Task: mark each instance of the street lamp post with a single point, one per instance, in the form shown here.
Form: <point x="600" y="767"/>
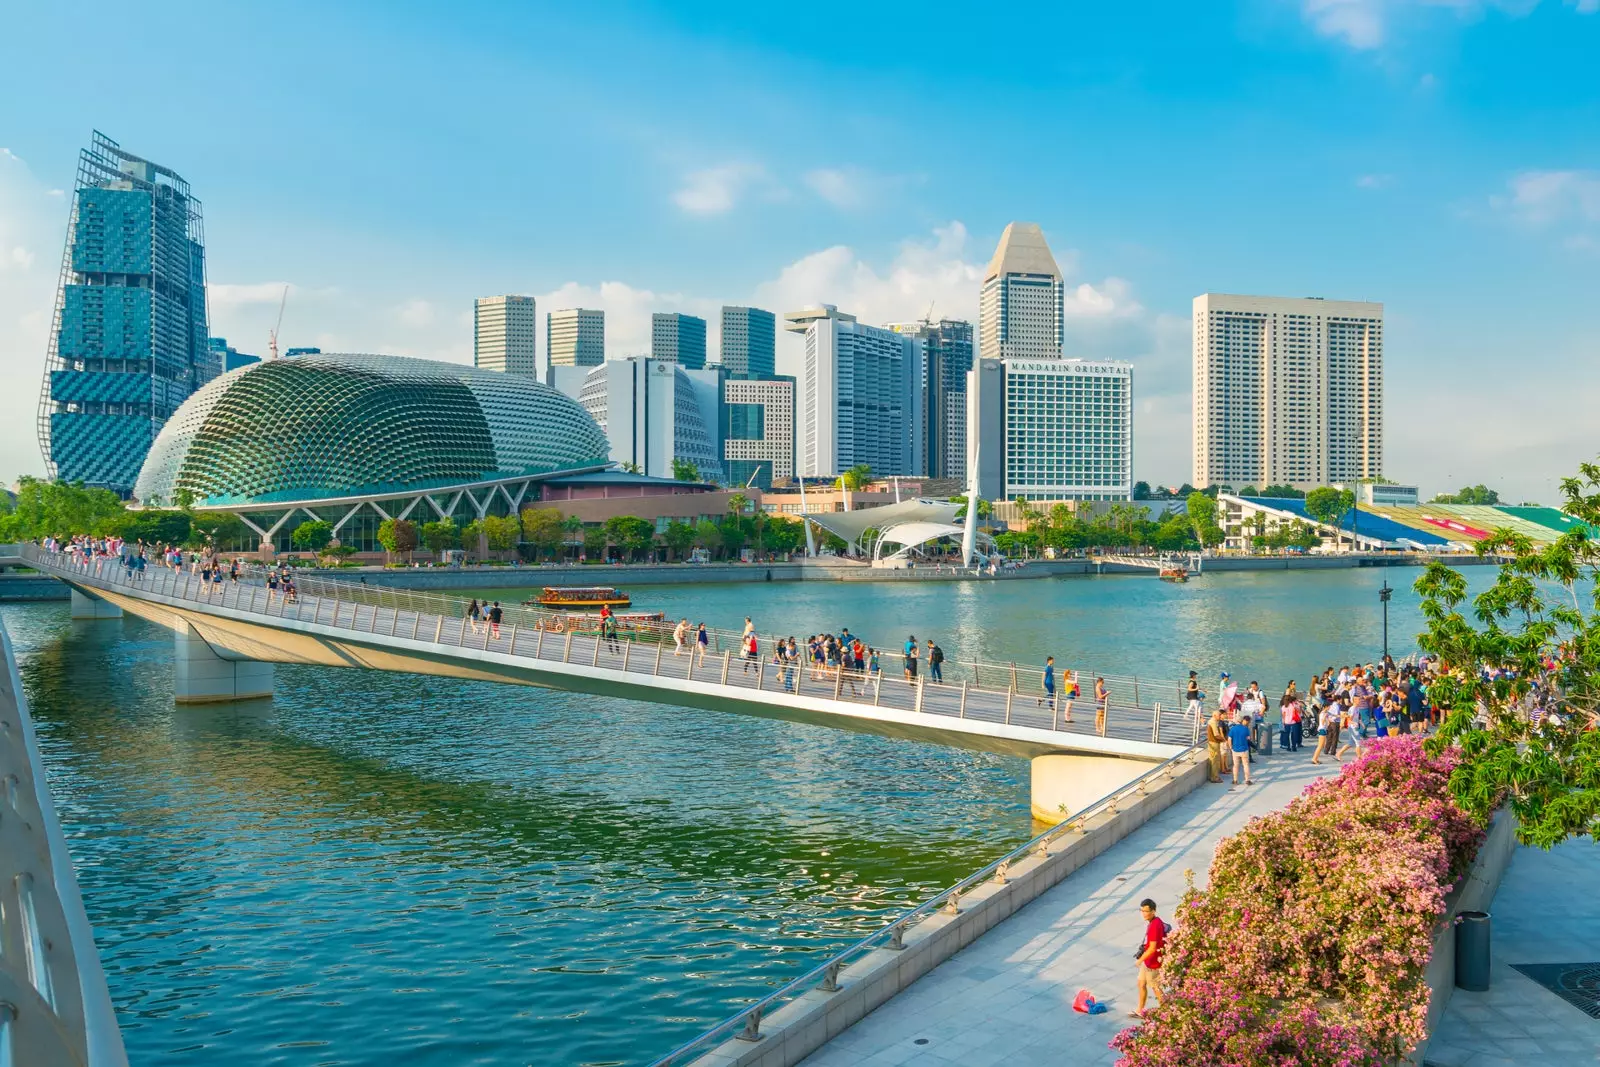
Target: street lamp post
<point x="1383" y="596"/>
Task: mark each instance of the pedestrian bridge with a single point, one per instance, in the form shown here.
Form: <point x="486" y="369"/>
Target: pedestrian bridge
<point x="228" y="635"/>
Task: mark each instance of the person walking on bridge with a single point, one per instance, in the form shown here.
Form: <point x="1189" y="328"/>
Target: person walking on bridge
<point x="680" y="633"/>
<point x="910" y="657"/>
<point x="935" y="662"/>
<point x="1048" y="682"/>
<point x="1193" y="695"/>
<point x="1216" y="737"/>
<point x="496" y="613"/>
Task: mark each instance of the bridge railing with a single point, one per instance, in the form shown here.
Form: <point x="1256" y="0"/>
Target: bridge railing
<point x="824" y="977"/>
<point x="54" y="1004"/>
<point x="1133" y="708"/>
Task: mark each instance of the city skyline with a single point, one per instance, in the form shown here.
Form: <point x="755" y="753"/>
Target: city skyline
<point x="1472" y="184"/>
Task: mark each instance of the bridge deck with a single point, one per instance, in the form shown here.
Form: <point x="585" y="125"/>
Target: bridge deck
<point x="245" y="620"/>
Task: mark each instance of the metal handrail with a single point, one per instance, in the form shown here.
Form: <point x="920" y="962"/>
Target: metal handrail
<point x="747" y="1021"/>
<point x="55" y="1006"/>
<point x="1125" y="691"/>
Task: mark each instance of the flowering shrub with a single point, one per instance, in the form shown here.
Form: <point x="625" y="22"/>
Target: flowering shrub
<point x="1319" y="919"/>
<point x="1212" y="1024"/>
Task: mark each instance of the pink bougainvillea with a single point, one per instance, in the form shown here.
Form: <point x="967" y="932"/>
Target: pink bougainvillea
<point x="1317" y="924"/>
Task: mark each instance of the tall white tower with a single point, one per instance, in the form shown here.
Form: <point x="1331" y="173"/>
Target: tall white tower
<point x="1020" y="307"/>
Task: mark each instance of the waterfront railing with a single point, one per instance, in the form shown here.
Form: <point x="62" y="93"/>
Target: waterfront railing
<point x="55" y="1007"/>
<point x="745" y="1024"/>
<point x="1002" y="693"/>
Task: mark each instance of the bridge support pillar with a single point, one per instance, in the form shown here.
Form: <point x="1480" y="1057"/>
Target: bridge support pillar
<point x="1065" y="784"/>
<point x="201" y="676"/>
<point x="89" y="607"/>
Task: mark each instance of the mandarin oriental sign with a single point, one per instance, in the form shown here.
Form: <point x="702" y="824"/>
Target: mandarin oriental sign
<point x="1068" y="366"/>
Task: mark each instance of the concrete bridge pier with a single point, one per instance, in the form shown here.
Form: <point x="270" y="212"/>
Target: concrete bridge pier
<point x="1064" y="783"/>
<point x="201" y="675"/>
<point x="85" y="606"/>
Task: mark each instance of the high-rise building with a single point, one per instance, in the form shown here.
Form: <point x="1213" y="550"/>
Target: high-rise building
<point x="228" y="357"/>
<point x="943" y="394"/>
<point x="505" y="331"/>
<point x="1021" y="304"/>
<point x="653" y="411"/>
<point x="759" y="448"/>
<point x="1053" y="429"/>
<point x="679" y="338"/>
<point x="575" y="337"/>
<point x="859" y="395"/>
<point x="1287" y="391"/>
<point x="749" y="342"/>
<point x="301" y="352"/>
<point x="129" y="342"/>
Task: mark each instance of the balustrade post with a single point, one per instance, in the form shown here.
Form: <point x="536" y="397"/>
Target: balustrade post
<point x="726" y="663"/>
<point x="438" y="632"/>
<point x="963" y="713"/>
<point x="1136" y="690"/>
<point x="656" y="673"/>
<point x="922" y="687"/>
<point x="566" y="651"/>
<point x="760" y="665"/>
<point x="596" y="661"/>
<point x="513" y="649"/>
<point x="838" y="681"/>
<point x="1009" y="694"/>
<point x="1155" y="725"/>
<point x="627" y="653"/>
<point x="416" y="624"/>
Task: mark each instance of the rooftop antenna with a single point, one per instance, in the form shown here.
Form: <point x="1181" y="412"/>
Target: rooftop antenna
<point x="272" y="337"/>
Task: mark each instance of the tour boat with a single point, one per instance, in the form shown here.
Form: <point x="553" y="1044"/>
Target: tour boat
<point x="1174" y="572"/>
<point x="568" y="596"/>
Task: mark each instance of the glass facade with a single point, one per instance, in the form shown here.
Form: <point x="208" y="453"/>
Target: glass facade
<point x="129" y="343"/>
<point x="749" y="342"/>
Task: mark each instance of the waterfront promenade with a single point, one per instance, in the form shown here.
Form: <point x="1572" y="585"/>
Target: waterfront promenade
<point x="1007" y="998"/>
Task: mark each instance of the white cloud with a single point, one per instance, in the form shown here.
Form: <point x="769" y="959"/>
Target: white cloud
<point x="1368" y="24"/>
<point x="718" y="190"/>
<point x="1543" y="197"/>
<point x="227" y="296"/>
<point x="841" y="187"/>
<point x="628" y="310"/>
<point x="415" y="313"/>
<point x="1374" y="181"/>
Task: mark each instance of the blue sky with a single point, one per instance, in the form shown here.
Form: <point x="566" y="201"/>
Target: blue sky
<point x="389" y="162"/>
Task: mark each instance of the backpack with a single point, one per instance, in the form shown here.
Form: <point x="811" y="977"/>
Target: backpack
<point x="937" y="655"/>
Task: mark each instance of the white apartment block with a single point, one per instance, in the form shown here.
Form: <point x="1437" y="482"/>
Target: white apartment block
<point x="1287" y="391"/>
<point x="760" y="441"/>
<point x="575" y="337"/>
<point x="859" y="396"/>
<point x="652" y="411"/>
<point x="1065" y="427"/>
<point x="505" y="332"/>
<point x="1021" y="304"/>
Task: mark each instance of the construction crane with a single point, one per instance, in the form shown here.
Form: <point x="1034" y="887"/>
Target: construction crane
<point x="272" y="337"/>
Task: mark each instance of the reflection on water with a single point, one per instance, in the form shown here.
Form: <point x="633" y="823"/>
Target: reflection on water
<point x="383" y="868"/>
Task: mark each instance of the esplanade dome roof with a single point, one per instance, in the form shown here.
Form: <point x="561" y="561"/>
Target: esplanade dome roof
<point x="321" y="427"/>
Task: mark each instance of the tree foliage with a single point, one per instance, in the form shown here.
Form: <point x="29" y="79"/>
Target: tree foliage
<point x="1471" y="494"/>
<point x="312" y="535"/>
<point x="685" y="471"/>
<point x="1520" y="674"/>
<point x="1201" y="509"/>
<point x="631" y="534"/>
<point x="398" y="536"/>
<point x="502" y="532"/>
<point x="678" y="537"/>
<point x="61" y="509"/>
<point x="856" y="477"/>
<point x="441" y="535"/>
<point x="544" y="529"/>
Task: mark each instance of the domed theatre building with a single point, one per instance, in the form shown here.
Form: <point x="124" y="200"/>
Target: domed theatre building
<point x="357" y="439"/>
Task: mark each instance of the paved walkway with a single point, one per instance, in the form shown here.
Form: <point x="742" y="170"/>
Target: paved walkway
<point x="1546" y="912"/>
<point x="1008" y="996"/>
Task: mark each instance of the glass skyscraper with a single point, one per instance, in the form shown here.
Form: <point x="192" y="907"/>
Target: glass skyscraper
<point x="129" y="342"/>
<point x="749" y="342"/>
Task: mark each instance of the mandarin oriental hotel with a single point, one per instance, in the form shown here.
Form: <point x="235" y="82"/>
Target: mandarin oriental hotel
<point x="1066" y="424"/>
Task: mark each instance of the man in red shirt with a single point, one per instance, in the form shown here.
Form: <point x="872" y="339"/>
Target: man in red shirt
<point x="1155" y="939"/>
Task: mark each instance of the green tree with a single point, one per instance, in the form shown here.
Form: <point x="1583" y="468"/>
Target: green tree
<point x="1202" y="512"/>
<point x="1329" y="505"/>
<point x="1141" y="490"/>
<point x="1547" y="768"/>
<point x="685" y="471"/>
<point x="856" y="477"/>
<point x="220" y="529"/>
<point x="473" y="538"/>
<point x="1282" y="492"/>
<point x="594" y="541"/>
<point x="441" y="535"/>
<point x="631" y="534"/>
<point x="167" y="527"/>
<point x="502" y="532"/>
<point x="782" y="534"/>
<point x="397" y="536"/>
<point x="708" y="535"/>
<point x="738" y="504"/>
<point x="678" y="537"/>
<point x="632" y="468"/>
<point x="1471" y="494"/>
<point x="312" y="535"/>
<point x="61" y="509"/>
<point x="544" y="529"/>
<point x="985" y="509"/>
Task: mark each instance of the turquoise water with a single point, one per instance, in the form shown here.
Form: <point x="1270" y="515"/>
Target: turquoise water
<point x="373" y="868"/>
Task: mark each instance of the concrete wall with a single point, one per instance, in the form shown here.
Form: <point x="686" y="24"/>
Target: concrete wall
<point x="1475" y="893"/>
<point x="801" y="1027"/>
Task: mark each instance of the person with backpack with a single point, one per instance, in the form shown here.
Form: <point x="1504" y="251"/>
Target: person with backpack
<point x="935" y="662"/>
<point x="1156" y="930"/>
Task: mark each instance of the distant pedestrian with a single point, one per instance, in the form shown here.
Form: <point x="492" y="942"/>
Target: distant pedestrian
<point x="1102" y="702"/>
<point x="752" y="653"/>
<point x="1239" y="747"/>
<point x="1150" y="951"/>
<point x="702" y="641"/>
<point x="680" y="634"/>
<point x="935" y="662"/>
<point x="1070" y="691"/>
<point x="475" y="615"/>
<point x="909" y="654"/>
<point x="1193" y="695"/>
<point x="1216" y="739"/>
<point x="496" y="613"/>
<point x="1049" y="684"/>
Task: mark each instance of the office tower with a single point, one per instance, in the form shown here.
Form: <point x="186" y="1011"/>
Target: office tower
<point x="575" y="337"/>
<point x="1052" y="429"/>
<point x="228" y="357"/>
<point x="749" y="342"/>
<point x="943" y="394"/>
<point x="1287" y="391"/>
<point x="859" y="396"/>
<point x="652" y="411"/>
<point x="1020" y="306"/>
<point x="679" y="338"/>
<point x="505" y="332"/>
<point x="760" y="443"/>
<point x="129" y="339"/>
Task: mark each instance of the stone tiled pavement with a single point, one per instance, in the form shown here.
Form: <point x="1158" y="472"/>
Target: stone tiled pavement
<point x="1547" y="911"/>
<point x="1007" y="998"/>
